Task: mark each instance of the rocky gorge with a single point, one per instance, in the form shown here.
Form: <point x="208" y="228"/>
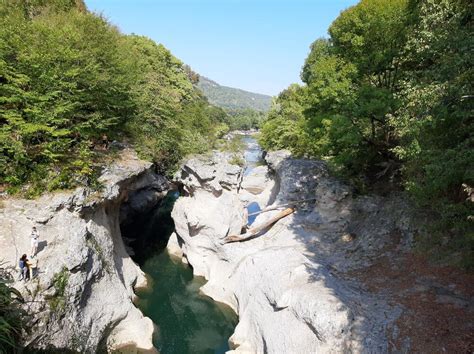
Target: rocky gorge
<point x="289" y="286"/>
<point x="299" y="286"/>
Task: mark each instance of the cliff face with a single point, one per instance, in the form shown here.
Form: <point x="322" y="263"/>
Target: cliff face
<point x="82" y="295"/>
<point x="291" y="286"/>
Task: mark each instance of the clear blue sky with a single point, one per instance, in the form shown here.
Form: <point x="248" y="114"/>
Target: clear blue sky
<point x="256" y="45"/>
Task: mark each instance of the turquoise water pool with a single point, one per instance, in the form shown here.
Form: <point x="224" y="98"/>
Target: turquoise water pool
<point x="186" y="321"/>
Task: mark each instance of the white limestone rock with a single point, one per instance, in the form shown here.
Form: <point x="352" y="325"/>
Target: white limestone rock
<point x="287" y="285"/>
<point x="80" y="240"/>
<point x="258" y="187"/>
<point x="173" y="246"/>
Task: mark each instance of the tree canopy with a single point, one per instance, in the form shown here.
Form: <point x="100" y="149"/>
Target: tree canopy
<point x="68" y="77"/>
<point x="388" y="99"/>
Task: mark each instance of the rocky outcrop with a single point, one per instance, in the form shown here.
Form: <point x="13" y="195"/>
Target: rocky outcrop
<point x="82" y="296"/>
<point x="258" y="186"/>
<point x="290" y="286"/>
<point x="210" y="211"/>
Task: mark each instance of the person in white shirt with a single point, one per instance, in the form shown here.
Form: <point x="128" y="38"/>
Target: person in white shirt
<point x="34" y="241"/>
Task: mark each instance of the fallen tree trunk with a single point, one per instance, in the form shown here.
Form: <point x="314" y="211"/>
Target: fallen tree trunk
<point x="267" y="209"/>
<point x="252" y="232"/>
<point x="275" y="207"/>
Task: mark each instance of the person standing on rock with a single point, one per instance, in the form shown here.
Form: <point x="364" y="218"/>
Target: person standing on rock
<point x="23" y="267"/>
<point x="105" y="141"/>
<point x="34" y="241"/>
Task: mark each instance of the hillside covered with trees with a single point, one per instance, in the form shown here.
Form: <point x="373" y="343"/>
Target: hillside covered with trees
<point x="68" y="78"/>
<point x="388" y="98"/>
<point x="246" y="109"/>
<point x="232" y="98"/>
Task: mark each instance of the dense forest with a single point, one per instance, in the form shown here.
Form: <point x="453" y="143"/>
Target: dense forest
<point x="68" y="78"/>
<point x="388" y="99"/>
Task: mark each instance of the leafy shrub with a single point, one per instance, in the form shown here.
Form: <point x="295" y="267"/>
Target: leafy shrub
<point x="11" y="314"/>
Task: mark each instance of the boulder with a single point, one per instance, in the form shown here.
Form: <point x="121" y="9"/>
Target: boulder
<point x="173" y="246"/>
<point x="256" y="181"/>
<point x="212" y="173"/>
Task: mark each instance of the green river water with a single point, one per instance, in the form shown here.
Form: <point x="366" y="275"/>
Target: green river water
<point x="186" y="321"/>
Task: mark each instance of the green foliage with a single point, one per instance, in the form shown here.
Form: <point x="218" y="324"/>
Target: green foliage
<point x="286" y="126"/>
<point x="388" y="98"/>
<point x="371" y="35"/>
<point x="435" y="123"/>
<point x="68" y="77"/>
<point x="64" y="83"/>
<point x="57" y="302"/>
<point x="245" y="119"/>
<point x="11" y="314"/>
<point x="233" y="99"/>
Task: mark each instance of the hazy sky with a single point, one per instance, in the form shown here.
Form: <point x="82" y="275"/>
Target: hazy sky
<point x="256" y="45"/>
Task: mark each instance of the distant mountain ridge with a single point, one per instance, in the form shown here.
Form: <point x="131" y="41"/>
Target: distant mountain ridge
<point x="233" y="99"/>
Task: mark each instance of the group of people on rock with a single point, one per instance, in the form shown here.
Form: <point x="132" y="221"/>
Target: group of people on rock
<point x="26" y="266"/>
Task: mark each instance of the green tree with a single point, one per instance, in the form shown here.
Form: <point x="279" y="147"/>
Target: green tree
<point x="285" y="126"/>
<point x="391" y="91"/>
<point x="435" y="122"/>
<point x="64" y="82"/>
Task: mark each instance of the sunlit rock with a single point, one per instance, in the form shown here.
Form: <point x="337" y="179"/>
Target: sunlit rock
<point x="287" y="284"/>
<point x="81" y="247"/>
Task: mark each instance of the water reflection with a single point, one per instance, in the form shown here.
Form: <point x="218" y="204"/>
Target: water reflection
<point x="252" y="208"/>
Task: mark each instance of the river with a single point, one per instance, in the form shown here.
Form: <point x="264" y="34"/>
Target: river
<point x="187" y="321"/>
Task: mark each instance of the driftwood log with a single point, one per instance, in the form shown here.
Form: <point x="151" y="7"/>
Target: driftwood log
<point x="252" y="232"/>
<point x="275" y="207"/>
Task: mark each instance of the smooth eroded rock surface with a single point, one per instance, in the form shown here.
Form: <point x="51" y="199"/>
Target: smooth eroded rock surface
<point x="289" y="285"/>
<point x="80" y="242"/>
